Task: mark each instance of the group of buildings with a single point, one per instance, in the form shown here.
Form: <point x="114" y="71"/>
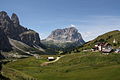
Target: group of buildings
<point x="105" y="47"/>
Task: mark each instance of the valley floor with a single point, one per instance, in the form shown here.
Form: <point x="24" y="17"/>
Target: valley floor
<point x="81" y="66"/>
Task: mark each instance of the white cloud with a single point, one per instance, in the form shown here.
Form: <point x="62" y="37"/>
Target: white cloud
<point x="98" y="25"/>
<point x="42" y="35"/>
<point x="72" y="25"/>
<point x="87" y="34"/>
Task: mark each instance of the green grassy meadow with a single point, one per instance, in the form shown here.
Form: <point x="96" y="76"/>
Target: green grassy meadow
<point x="78" y="66"/>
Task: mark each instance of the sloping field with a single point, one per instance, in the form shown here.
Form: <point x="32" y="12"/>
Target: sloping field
<point x="84" y="66"/>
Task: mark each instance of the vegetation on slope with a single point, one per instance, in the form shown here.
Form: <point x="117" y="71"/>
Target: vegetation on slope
<point x="61" y="48"/>
<point x="84" y="66"/>
<point x="107" y="37"/>
<point x="22" y="48"/>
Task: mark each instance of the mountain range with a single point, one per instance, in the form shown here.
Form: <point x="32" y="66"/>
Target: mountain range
<point x="17" y="38"/>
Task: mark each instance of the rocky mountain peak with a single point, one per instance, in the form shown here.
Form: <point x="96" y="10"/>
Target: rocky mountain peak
<point x="70" y="34"/>
<point x="72" y="29"/>
<point x="4" y="16"/>
<point x="13" y="29"/>
<point x="15" y="19"/>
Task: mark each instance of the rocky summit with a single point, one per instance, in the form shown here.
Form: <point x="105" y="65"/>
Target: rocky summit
<point x="12" y="29"/>
<point x="63" y="40"/>
<point x="70" y="34"/>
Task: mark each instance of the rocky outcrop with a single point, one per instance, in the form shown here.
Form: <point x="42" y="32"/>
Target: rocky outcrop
<point x="15" y="19"/>
<point x="13" y="29"/>
<point x="4" y="42"/>
<point x="65" y="35"/>
<point x="63" y="40"/>
<point x="31" y="38"/>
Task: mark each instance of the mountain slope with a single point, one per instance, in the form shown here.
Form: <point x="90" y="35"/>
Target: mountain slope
<point x="23" y="48"/>
<point x="4" y="42"/>
<point x="16" y="37"/>
<point x="112" y="38"/>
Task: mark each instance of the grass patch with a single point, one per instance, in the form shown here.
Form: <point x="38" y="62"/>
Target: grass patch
<point x="84" y="66"/>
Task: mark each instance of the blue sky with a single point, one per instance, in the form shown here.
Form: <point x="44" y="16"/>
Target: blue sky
<point x="90" y="17"/>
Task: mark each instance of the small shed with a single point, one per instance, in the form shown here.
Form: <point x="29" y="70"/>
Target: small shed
<point x="51" y="58"/>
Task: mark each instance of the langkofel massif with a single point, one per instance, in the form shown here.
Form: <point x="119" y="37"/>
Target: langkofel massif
<point x="64" y="39"/>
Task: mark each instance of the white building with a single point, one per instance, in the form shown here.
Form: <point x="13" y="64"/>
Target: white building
<point x="114" y="41"/>
<point x="51" y="58"/>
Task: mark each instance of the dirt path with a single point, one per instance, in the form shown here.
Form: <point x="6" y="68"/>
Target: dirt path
<point x="46" y="63"/>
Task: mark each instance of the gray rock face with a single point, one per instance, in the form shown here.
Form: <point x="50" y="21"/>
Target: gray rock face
<point x="13" y="29"/>
<point x="63" y="40"/>
<point x="15" y="19"/>
<point x="4" y="42"/>
<point x="31" y="38"/>
<point x="65" y="35"/>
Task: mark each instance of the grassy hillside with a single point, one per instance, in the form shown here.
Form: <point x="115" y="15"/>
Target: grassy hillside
<point x="107" y="37"/>
<point x="84" y="66"/>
